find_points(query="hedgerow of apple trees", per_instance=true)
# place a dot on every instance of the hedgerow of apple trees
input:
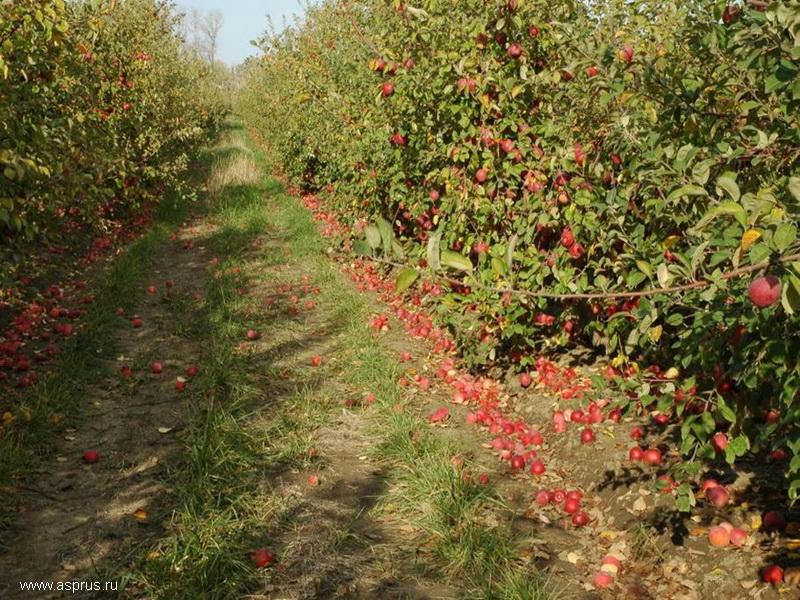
(99, 105)
(603, 148)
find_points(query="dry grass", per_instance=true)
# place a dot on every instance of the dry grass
(236, 168)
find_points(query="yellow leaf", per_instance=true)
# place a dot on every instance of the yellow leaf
(749, 238)
(516, 91)
(655, 332)
(672, 373)
(671, 241)
(140, 514)
(756, 523)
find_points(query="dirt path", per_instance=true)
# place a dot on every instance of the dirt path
(73, 518)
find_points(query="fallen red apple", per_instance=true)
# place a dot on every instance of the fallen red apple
(156, 368)
(772, 574)
(525, 379)
(137, 323)
(537, 468)
(580, 519)
(738, 536)
(611, 564)
(587, 436)
(252, 334)
(191, 371)
(263, 558)
(603, 580)
(152, 289)
(91, 457)
(313, 480)
(652, 456)
(637, 433)
(316, 361)
(180, 385)
(543, 498)
(718, 536)
(571, 505)
(718, 496)
(636, 453)
(518, 462)
(774, 521)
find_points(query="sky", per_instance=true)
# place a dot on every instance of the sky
(244, 20)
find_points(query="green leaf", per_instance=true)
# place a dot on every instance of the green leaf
(702, 171)
(794, 187)
(512, 244)
(684, 156)
(456, 261)
(784, 236)
(405, 280)
(387, 233)
(498, 266)
(790, 298)
(434, 243)
(363, 248)
(398, 251)
(686, 190)
(728, 183)
(373, 236)
(645, 267)
(726, 208)
(725, 411)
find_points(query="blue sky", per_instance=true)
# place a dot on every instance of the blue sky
(244, 20)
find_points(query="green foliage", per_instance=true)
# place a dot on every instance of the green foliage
(662, 137)
(99, 105)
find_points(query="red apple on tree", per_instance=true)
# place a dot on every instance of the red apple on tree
(626, 54)
(719, 442)
(764, 291)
